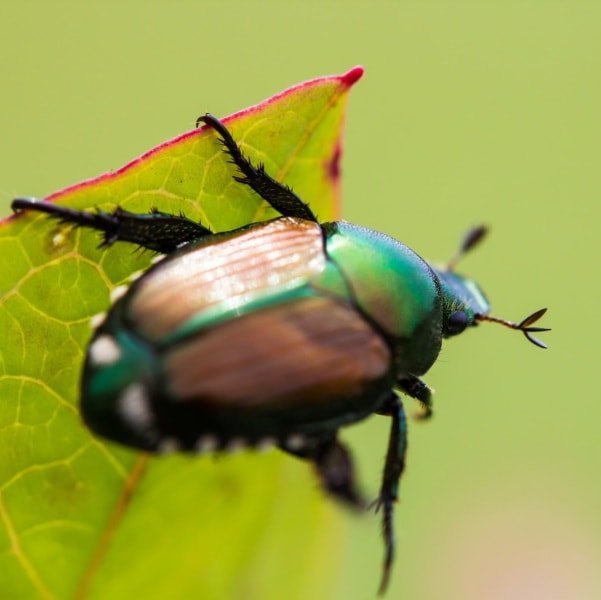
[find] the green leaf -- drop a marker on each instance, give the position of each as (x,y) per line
(83,519)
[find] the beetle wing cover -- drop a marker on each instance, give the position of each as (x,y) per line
(224,273)
(298,353)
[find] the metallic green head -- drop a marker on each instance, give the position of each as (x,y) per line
(463,302)
(466,305)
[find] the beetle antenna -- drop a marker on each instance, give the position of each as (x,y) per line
(471,239)
(523,326)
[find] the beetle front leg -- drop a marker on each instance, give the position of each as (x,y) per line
(335,468)
(393,469)
(418,389)
(157,231)
(278,195)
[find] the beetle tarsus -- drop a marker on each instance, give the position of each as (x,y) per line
(157,231)
(100,221)
(387,532)
(279,196)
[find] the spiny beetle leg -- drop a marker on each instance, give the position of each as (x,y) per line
(418,389)
(389,490)
(279,196)
(157,231)
(335,469)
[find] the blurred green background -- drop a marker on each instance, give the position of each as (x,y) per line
(468,112)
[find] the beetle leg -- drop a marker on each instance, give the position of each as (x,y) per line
(278,195)
(158,231)
(335,469)
(418,389)
(389,490)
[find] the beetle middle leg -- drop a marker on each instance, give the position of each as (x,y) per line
(278,195)
(335,469)
(393,469)
(157,231)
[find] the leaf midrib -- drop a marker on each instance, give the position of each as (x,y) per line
(129,487)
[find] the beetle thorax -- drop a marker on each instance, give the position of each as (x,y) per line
(394,288)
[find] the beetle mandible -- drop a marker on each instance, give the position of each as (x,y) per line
(277,333)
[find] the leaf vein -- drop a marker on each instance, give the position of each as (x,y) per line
(17,550)
(104,542)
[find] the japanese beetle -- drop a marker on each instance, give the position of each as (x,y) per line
(277,333)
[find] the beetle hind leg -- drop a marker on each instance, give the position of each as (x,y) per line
(335,469)
(157,231)
(278,195)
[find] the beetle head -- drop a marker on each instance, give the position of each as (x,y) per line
(464,303)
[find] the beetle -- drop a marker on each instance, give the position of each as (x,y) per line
(276,333)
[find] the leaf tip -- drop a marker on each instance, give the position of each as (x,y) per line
(352,76)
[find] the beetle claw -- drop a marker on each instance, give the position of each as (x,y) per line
(425,412)
(379,503)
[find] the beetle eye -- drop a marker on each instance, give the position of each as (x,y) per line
(457,322)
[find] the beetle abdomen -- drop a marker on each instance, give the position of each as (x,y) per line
(226,272)
(302,353)
(301,366)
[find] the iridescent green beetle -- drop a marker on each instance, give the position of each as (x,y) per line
(278,333)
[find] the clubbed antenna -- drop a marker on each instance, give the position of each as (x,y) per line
(523,326)
(471,239)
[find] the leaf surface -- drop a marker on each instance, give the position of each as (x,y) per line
(83,519)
